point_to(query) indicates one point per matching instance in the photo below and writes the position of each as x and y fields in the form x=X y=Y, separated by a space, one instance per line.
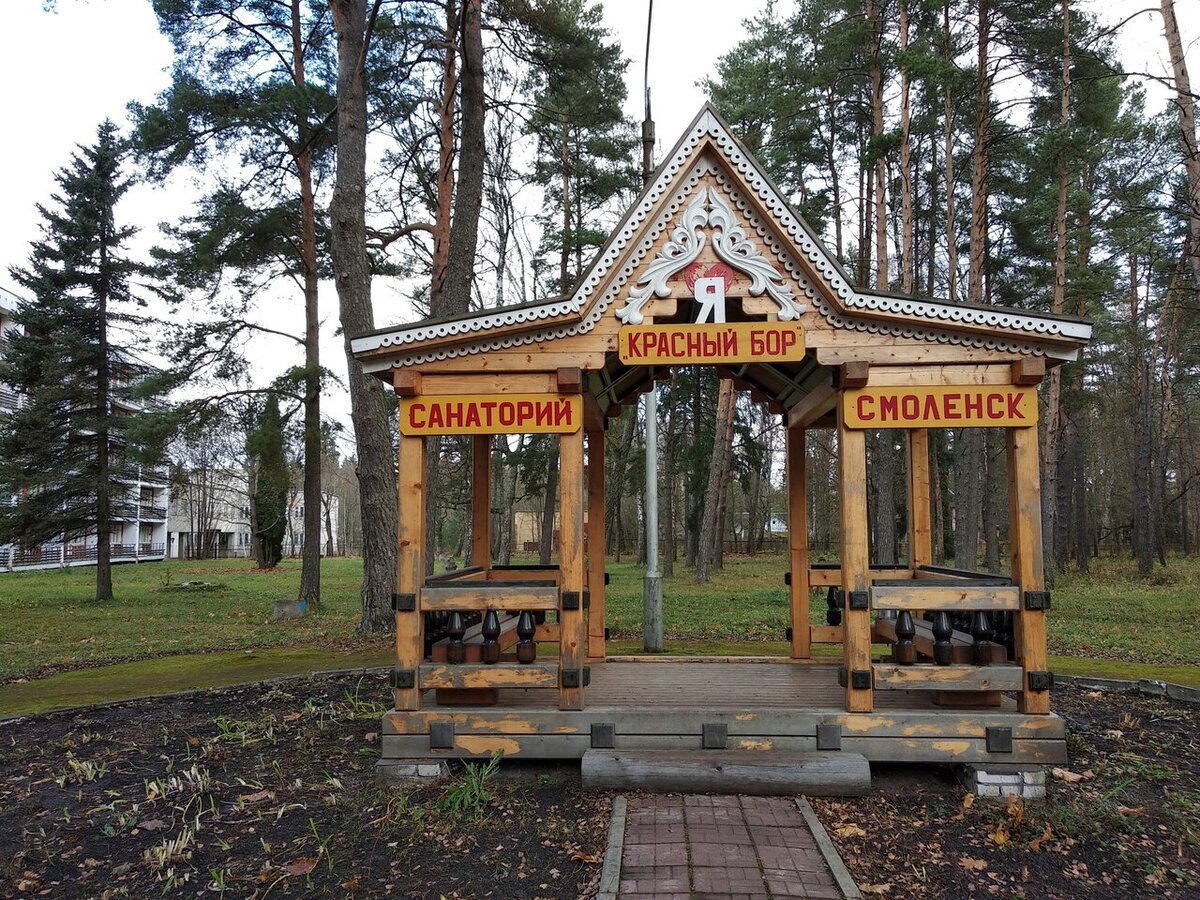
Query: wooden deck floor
x=760 y=705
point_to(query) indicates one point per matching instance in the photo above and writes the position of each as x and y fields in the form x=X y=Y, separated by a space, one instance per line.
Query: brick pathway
x=744 y=847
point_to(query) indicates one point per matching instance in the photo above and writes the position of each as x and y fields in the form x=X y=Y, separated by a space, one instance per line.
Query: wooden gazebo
x=712 y=267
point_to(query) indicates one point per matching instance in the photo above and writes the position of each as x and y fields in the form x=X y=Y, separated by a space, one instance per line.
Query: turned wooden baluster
x=905 y=651
x=526 y=648
x=833 y=599
x=456 y=650
x=489 y=650
x=943 y=650
x=981 y=630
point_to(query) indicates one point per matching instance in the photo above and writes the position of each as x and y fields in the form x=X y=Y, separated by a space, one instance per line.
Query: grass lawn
x=48 y=619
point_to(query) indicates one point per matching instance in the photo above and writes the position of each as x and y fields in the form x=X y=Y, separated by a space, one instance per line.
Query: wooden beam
x=855 y=559
x=410 y=563
x=454 y=384
x=479 y=596
x=407 y=382
x=1029 y=370
x=833 y=577
x=940 y=376
x=1025 y=535
x=573 y=646
x=813 y=405
x=853 y=374
x=797 y=487
x=917 y=595
x=595 y=543
x=825 y=634
x=920 y=528
x=468 y=675
x=481 y=501
x=946 y=678
x=570 y=380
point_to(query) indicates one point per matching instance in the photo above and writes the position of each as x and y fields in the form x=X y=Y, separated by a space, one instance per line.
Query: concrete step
x=817 y=774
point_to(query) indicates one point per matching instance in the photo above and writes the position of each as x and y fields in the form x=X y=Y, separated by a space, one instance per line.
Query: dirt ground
x=269 y=791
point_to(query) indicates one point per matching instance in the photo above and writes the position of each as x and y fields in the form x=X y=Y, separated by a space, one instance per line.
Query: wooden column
x=410 y=566
x=856 y=572
x=797 y=488
x=481 y=501
x=920 y=531
x=1025 y=535
x=595 y=543
x=573 y=624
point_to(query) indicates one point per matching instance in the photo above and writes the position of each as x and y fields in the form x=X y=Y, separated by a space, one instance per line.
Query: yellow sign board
x=973 y=406
x=492 y=414
x=710 y=344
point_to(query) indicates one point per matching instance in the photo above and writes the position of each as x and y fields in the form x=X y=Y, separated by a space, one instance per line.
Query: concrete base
x=820 y=774
x=995 y=781
x=410 y=772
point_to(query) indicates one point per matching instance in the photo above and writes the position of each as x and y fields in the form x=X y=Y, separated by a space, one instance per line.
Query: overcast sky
x=65 y=71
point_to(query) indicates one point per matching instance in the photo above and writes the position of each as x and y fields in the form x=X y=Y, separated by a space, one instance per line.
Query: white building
x=210 y=517
x=139 y=524
x=209 y=514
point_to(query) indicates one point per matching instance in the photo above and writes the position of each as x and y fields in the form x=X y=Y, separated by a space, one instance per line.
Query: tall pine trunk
x=710 y=530
x=310 y=565
x=104 y=587
x=908 y=260
x=948 y=154
x=369 y=402
x=875 y=20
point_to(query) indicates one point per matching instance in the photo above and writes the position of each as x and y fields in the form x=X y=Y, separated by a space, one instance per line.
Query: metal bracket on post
x=570 y=600
x=404 y=602
x=575 y=678
x=604 y=735
x=404 y=679
x=1041 y=681
x=714 y=735
x=1037 y=600
x=999 y=739
x=829 y=737
x=860 y=600
x=787 y=578
x=441 y=735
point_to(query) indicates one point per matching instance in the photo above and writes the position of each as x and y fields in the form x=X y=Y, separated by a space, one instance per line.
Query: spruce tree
x=271 y=483
x=62 y=451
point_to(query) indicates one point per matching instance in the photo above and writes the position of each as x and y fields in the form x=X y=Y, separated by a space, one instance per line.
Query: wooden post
x=595 y=543
x=573 y=639
x=920 y=531
x=410 y=566
x=798 y=542
x=481 y=501
x=1025 y=534
x=856 y=573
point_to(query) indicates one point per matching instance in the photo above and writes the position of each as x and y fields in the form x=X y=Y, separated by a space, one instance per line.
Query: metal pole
x=652 y=585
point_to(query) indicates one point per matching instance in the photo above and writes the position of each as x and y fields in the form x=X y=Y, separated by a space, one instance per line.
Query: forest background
x=986 y=152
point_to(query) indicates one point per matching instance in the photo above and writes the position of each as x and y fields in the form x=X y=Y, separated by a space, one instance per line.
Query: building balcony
x=153 y=513
x=49 y=556
x=9 y=399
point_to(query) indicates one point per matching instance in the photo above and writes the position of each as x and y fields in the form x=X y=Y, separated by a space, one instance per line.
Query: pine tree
x=62 y=452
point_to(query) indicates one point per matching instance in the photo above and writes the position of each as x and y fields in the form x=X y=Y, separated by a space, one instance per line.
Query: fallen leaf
x=1072 y=777
x=849 y=831
x=586 y=857
x=968 y=801
x=301 y=866
x=351 y=884
x=1015 y=807
x=972 y=865
x=152 y=825
x=1036 y=843
x=880 y=889
x=1131 y=810
x=291 y=717
x=1001 y=835
x=256 y=796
